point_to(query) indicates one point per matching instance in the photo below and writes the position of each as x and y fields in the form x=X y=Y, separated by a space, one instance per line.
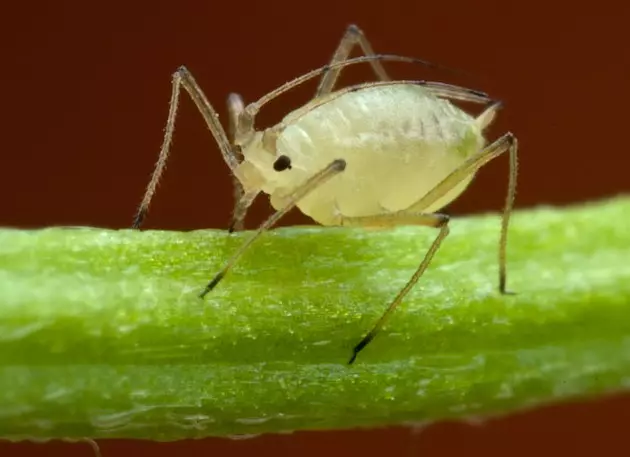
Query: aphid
x=381 y=153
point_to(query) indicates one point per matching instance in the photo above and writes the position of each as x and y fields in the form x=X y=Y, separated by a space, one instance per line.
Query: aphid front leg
x=332 y=169
x=352 y=37
x=241 y=204
x=235 y=107
x=436 y=220
x=182 y=77
x=242 y=201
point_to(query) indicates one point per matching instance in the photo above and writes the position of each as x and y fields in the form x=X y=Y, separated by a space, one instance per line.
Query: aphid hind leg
x=183 y=78
x=332 y=169
x=436 y=220
x=352 y=37
x=506 y=143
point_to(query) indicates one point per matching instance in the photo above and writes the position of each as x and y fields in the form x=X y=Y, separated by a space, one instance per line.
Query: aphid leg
x=352 y=37
x=334 y=168
x=484 y=120
x=436 y=220
x=95 y=447
x=242 y=202
x=235 y=107
x=505 y=219
x=507 y=142
x=182 y=77
x=241 y=205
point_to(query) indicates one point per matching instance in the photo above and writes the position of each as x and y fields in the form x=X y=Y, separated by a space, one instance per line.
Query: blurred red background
x=86 y=88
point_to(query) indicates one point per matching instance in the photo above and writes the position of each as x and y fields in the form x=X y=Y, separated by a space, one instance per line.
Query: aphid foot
x=359 y=347
x=502 y=288
x=212 y=284
x=353 y=358
x=137 y=221
x=236 y=225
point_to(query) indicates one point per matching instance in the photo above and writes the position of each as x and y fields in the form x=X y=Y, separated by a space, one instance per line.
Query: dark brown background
x=84 y=98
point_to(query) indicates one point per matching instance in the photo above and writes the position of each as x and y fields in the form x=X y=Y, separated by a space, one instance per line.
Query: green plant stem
x=102 y=333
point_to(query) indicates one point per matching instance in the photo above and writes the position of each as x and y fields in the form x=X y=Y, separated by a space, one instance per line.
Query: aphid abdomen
x=398 y=142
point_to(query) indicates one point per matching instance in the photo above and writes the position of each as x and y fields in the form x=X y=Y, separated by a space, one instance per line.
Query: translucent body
x=398 y=142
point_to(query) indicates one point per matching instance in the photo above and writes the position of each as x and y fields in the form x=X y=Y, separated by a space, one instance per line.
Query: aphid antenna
x=253 y=108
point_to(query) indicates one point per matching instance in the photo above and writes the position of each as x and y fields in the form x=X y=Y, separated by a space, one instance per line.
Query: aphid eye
x=282 y=163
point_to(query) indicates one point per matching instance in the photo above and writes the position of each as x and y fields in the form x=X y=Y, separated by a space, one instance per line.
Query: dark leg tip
x=212 y=284
x=236 y=225
x=359 y=347
x=137 y=221
x=353 y=358
x=502 y=287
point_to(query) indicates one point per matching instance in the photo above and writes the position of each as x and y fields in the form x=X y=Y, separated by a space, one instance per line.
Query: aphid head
x=264 y=168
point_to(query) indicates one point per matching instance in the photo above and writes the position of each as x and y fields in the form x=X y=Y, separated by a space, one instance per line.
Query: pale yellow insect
x=382 y=153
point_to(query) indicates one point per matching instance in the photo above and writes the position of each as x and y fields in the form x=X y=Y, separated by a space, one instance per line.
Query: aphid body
x=398 y=142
